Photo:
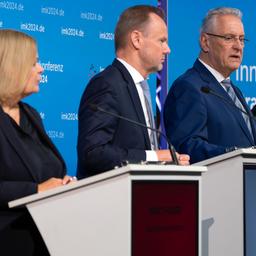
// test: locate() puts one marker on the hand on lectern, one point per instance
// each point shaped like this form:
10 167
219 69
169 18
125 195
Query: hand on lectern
165 156
55 182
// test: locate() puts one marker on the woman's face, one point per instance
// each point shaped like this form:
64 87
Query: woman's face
32 85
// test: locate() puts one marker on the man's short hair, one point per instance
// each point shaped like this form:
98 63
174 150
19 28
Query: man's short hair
135 17
209 19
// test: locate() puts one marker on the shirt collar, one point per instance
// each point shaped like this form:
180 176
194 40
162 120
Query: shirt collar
219 77
136 76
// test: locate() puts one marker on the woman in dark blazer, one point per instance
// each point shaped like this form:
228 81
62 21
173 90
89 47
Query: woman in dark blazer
29 162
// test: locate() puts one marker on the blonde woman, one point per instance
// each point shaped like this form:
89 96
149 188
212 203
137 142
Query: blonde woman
29 162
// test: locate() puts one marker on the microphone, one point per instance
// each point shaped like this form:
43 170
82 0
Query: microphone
208 90
94 107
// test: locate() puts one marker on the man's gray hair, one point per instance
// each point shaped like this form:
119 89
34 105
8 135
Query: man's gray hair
208 21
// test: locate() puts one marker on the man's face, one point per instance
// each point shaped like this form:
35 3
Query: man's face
224 54
154 45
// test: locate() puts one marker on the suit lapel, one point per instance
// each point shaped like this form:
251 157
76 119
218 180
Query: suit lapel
246 108
216 87
41 131
8 130
134 98
235 112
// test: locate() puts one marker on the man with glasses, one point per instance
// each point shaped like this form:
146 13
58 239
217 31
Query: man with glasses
201 112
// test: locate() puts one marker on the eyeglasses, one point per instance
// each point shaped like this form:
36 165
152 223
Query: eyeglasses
230 38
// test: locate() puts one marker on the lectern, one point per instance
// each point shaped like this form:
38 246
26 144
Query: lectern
134 210
229 204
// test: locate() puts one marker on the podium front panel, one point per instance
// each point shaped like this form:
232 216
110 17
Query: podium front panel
228 204
165 218
249 210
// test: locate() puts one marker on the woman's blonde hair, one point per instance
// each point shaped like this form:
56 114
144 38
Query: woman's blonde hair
18 53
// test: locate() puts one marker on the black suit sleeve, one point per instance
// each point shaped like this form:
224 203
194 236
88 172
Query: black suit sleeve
11 190
102 140
16 180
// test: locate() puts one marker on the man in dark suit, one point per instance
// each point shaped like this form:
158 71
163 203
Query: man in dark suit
203 125
105 141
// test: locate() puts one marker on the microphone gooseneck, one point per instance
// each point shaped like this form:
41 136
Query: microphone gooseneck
94 107
208 90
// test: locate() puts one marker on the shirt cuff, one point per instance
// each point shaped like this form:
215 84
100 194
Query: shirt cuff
151 156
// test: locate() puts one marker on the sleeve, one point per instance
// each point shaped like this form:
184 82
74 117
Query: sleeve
185 115
98 149
37 120
11 190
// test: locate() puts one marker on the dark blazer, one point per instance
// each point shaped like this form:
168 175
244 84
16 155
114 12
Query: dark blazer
18 177
203 125
103 140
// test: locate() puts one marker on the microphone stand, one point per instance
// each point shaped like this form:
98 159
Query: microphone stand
207 90
171 148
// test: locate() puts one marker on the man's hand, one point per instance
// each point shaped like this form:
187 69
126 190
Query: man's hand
164 155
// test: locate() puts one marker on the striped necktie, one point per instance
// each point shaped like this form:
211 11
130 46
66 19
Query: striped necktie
148 103
227 84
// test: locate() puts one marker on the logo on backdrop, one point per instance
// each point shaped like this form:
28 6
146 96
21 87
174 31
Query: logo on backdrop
106 36
12 6
52 11
246 74
32 27
42 115
53 134
72 116
72 32
91 16
92 71
50 67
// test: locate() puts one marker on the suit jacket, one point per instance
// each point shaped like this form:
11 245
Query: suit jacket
203 125
105 141
18 177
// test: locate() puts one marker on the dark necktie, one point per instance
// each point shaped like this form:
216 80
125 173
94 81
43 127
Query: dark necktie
232 94
148 103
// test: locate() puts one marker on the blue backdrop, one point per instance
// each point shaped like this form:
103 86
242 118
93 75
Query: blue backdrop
75 42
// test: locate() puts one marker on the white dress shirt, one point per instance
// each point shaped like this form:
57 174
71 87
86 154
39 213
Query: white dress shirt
137 79
219 77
